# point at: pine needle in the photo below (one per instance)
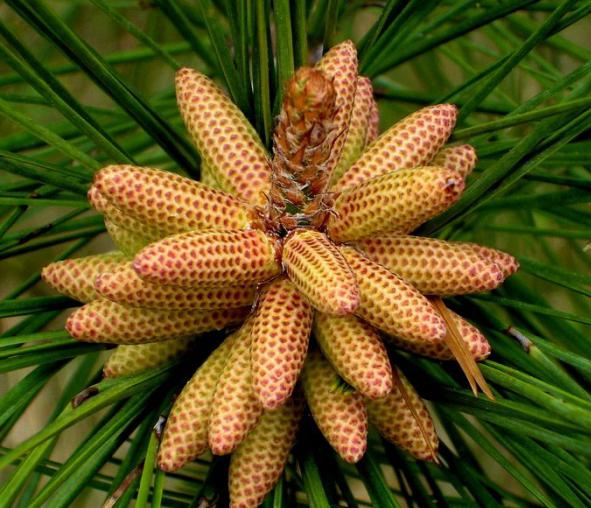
(462, 354)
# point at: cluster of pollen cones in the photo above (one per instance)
(306, 256)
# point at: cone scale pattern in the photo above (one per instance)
(437, 267)
(128, 360)
(396, 202)
(403, 419)
(356, 352)
(124, 286)
(320, 272)
(75, 277)
(225, 139)
(309, 243)
(235, 408)
(258, 462)
(410, 143)
(185, 434)
(339, 413)
(280, 333)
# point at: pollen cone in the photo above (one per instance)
(75, 277)
(226, 141)
(128, 360)
(280, 333)
(211, 258)
(439, 350)
(123, 285)
(397, 202)
(319, 271)
(112, 323)
(403, 419)
(392, 304)
(339, 413)
(340, 65)
(436, 267)
(168, 201)
(460, 158)
(357, 133)
(259, 460)
(236, 408)
(410, 143)
(185, 434)
(356, 351)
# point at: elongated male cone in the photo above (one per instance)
(169, 201)
(319, 271)
(403, 419)
(226, 141)
(340, 64)
(280, 333)
(356, 351)
(410, 143)
(397, 202)
(435, 267)
(128, 233)
(123, 285)
(128, 360)
(460, 158)
(75, 277)
(506, 262)
(392, 304)
(339, 413)
(236, 408)
(357, 132)
(105, 321)
(185, 434)
(439, 350)
(210, 258)
(259, 460)
(123, 220)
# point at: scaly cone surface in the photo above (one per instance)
(356, 352)
(123, 285)
(396, 202)
(185, 434)
(324, 229)
(235, 408)
(460, 158)
(303, 142)
(391, 304)
(225, 139)
(75, 277)
(280, 333)
(403, 419)
(475, 341)
(105, 321)
(169, 202)
(360, 124)
(339, 413)
(436, 267)
(319, 271)
(340, 65)
(209, 258)
(410, 143)
(128, 360)
(258, 462)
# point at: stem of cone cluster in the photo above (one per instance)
(462, 354)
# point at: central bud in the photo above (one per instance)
(303, 142)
